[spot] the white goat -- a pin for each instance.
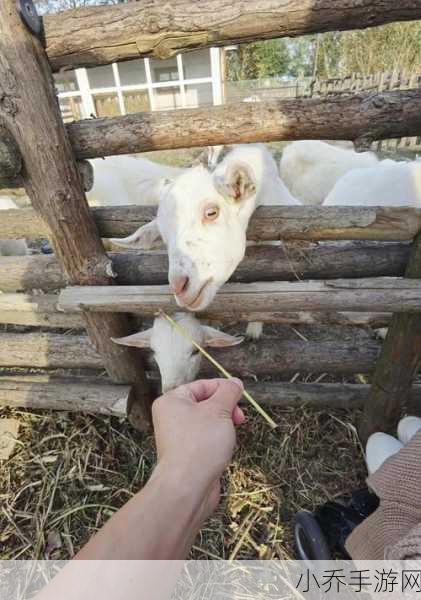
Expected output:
(11, 247)
(178, 360)
(124, 180)
(387, 184)
(310, 168)
(203, 217)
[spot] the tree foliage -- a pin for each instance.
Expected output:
(393, 47)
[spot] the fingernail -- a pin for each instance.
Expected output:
(237, 382)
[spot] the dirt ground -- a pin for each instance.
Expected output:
(70, 472)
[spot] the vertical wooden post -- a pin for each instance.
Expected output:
(397, 366)
(29, 110)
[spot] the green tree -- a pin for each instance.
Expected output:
(393, 47)
(258, 60)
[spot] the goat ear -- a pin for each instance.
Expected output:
(218, 339)
(146, 237)
(238, 182)
(138, 340)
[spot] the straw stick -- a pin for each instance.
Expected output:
(228, 375)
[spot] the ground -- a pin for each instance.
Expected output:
(70, 472)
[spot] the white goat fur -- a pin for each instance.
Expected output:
(178, 360)
(124, 180)
(208, 253)
(11, 247)
(311, 168)
(388, 184)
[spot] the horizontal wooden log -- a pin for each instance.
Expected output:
(75, 394)
(367, 115)
(268, 263)
(101, 35)
(255, 301)
(321, 395)
(89, 395)
(22, 273)
(267, 356)
(39, 310)
(36, 311)
(267, 223)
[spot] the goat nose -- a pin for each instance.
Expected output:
(179, 284)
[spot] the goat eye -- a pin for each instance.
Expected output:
(211, 213)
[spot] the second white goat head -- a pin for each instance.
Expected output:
(177, 358)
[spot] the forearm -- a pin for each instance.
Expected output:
(158, 523)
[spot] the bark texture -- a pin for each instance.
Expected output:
(364, 116)
(64, 393)
(268, 223)
(266, 263)
(85, 394)
(269, 356)
(256, 301)
(101, 35)
(30, 112)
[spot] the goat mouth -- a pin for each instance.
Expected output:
(197, 301)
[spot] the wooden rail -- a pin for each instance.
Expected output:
(270, 356)
(267, 223)
(30, 112)
(272, 263)
(101, 35)
(41, 310)
(255, 301)
(348, 117)
(92, 396)
(363, 116)
(64, 393)
(38, 310)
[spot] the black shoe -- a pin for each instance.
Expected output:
(322, 535)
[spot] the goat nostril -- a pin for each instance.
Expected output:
(180, 285)
(186, 284)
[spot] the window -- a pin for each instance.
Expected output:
(167, 98)
(163, 71)
(106, 105)
(140, 85)
(71, 108)
(101, 77)
(66, 81)
(136, 101)
(199, 94)
(132, 72)
(197, 64)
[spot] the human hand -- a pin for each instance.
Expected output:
(195, 434)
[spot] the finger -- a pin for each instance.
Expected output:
(238, 416)
(202, 389)
(227, 395)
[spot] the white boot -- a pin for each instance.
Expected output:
(407, 428)
(380, 447)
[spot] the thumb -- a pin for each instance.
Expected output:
(228, 395)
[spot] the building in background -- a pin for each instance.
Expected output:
(183, 81)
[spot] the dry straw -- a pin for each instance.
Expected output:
(210, 358)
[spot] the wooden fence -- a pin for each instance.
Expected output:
(308, 87)
(33, 135)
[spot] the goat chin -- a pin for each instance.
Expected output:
(254, 330)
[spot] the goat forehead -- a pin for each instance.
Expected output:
(192, 188)
(167, 339)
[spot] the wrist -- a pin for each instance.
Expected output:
(180, 482)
